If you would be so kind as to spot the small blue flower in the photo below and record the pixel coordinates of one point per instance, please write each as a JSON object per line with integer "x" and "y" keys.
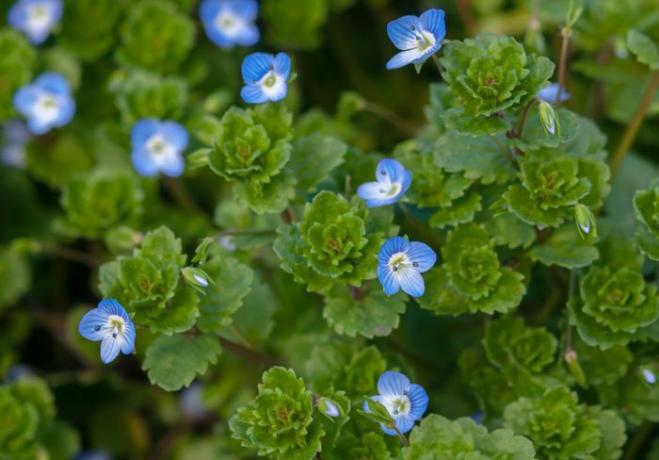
{"x": 266, "y": 77}
{"x": 418, "y": 38}
{"x": 35, "y": 18}
{"x": 392, "y": 181}
{"x": 109, "y": 324}
{"x": 401, "y": 263}
{"x": 548, "y": 94}
{"x": 46, "y": 103}
{"x": 406, "y": 402}
{"x": 158, "y": 147}
{"x": 15, "y": 138}
{"x": 230, "y": 22}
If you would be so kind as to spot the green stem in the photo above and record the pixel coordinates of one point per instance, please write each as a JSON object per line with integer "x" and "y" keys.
{"x": 633, "y": 127}
{"x": 438, "y": 64}
{"x": 565, "y": 33}
{"x": 521, "y": 123}
{"x": 247, "y": 231}
{"x": 402, "y": 125}
{"x": 180, "y": 194}
{"x": 401, "y": 436}
{"x": 637, "y": 441}
{"x": 70, "y": 254}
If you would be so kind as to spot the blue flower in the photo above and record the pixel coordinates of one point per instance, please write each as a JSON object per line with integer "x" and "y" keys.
{"x": 418, "y": 38}
{"x": 35, "y": 18}
{"x": 15, "y": 137}
{"x": 266, "y": 77}
{"x": 46, "y": 103}
{"x": 406, "y": 402}
{"x": 392, "y": 181}
{"x": 158, "y": 147}
{"x": 548, "y": 94}
{"x": 109, "y": 324}
{"x": 401, "y": 263}
{"x": 230, "y": 22}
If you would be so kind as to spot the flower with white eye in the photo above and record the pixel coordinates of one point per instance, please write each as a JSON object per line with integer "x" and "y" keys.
{"x": 549, "y": 93}
{"x": 109, "y": 324}
{"x": 158, "y": 147}
{"x": 401, "y": 263}
{"x": 46, "y": 103}
{"x": 418, "y": 38}
{"x": 35, "y": 18}
{"x": 391, "y": 182}
{"x": 230, "y": 22}
{"x": 266, "y": 77}
{"x": 406, "y": 402}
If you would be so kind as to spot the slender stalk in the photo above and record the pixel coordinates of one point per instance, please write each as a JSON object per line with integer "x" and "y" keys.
{"x": 521, "y": 123}
{"x": 402, "y": 125}
{"x": 70, "y": 254}
{"x": 247, "y": 231}
{"x": 401, "y": 436}
{"x": 565, "y": 33}
{"x": 249, "y": 354}
{"x": 180, "y": 194}
{"x": 503, "y": 149}
{"x": 438, "y": 64}
{"x": 467, "y": 16}
{"x": 633, "y": 127}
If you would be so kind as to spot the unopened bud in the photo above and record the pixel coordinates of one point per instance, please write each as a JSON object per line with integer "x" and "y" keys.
{"x": 585, "y": 221}
{"x": 648, "y": 376}
{"x": 196, "y": 277}
{"x": 548, "y": 118}
{"x": 575, "y": 368}
{"x": 574, "y": 11}
{"x": 328, "y": 407}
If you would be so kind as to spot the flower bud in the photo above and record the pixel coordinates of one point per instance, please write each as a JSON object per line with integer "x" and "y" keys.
{"x": 648, "y": 374}
{"x": 328, "y": 407}
{"x": 196, "y": 277}
{"x": 585, "y": 220}
{"x": 575, "y": 368}
{"x": 548, "y": 118}
{"x": 574, "y": 11}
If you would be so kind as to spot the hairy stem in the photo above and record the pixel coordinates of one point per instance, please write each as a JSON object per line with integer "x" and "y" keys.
{"x": 401, "y": 436}
{"x": 565, "y": 33}
{"x": 633, "y": 127}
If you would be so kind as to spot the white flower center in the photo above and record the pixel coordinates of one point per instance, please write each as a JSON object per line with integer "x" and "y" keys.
{"x": 399, "y": 262}
{"x": 397, "y": 405}
{"x": 229, "y": 23}
{"x": 272, "y": 84}
{"x": 424, "y": 40}
{"x": 161, "y": 150}
{"x": 46, "y": 107}
{"x": 114, "y": 326}
{"x": 390, "y": 189}
{"x": 38, "y": 17}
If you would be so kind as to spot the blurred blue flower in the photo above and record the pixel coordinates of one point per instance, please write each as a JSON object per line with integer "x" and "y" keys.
{"x": 94, "y": 455}
{"x": 158, "y": 147}
{"x": 230, "y": 22}
{"x": 15, "y": 137}
{"x": 418, "y": 38}
{"x": 548, "y": 94}
{"x": 266, "y": 77}
{"x": 406, "y": 402}
{"x": 392, "y": 181}
{"x": 401, "y": 263}
{"x": 35, "y": 18}
{"x": 46, "y": 103}
{"x": 109, "y": 324}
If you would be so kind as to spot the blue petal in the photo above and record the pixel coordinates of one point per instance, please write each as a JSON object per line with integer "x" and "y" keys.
{"x": 128, "y": 345}
{"x": 389, "y": 431}
{"x": 548, "y": 94}
{"x": 391, "y": 247}
{"x": 110, "y": 347}
{"x": 253, "y": 94}
{"x": 175, "y": 134}
{"x": 25, "y": 98}
{"x": 67, "y": 111}
{"x": 113, "y": 307}
{"x": 418, "y": 401}
{"x": 404, "y": 423}
{"x": 93, "y": 319}
{"x": 407, "y": 181}
{"x": 376, "y": 398}
{"x": 53, "y": 83}
{"x": 37, "y": 126}
{"x": 433, "y": 21}
{"x": 389, "y": 170}
{"x": 248, "y": 36}
{"x": 256, "y": 65}
{"x": 389, "y": 282}
{"x": 402, "y": 32}
{"x": 142, "y": 131}
{"x": 411, "y": 282}
{"x": 174, "y": 167}
{"x": 283, "y": 65}
{"x": 370, "y": 192}
{"x": 393, "y": 383}
{"x": 208, "y": 10}
{"x": 423, "y": 255}
{"x": 247, "y": 9}
{"x": 404, "y": 58}
{"x": 143, "y": 163}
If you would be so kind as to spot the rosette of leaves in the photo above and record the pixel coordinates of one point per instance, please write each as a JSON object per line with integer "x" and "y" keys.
{"x": 251, "y": 149}
{"x": 471, "y": 279}
{"x": 279, "y": 422}
{"x": 88, "y": 43}
{"x": 552, "y": 183}
{"x": 97, "y": 202}
{"x": 561, "y": 428}
{"x": 490, "y": 73}
{"x": 148, "y": 284}
{"x": 17, "y": 60}
{"x": 28, "y": 428}
{"x": 444, "y": 439}
{"x": 156, "y": 36}
{"x": 140, "y": 94}
{"x": 646, "y": 207}
{"x": 337, "y": 243}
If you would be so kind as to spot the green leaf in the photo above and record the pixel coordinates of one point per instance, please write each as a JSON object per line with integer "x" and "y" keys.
{"x": 313, "y": 158}
{"x": 173, "y": 362}
{"x": 565, "y": 248}
{"x": 364, "y": 311}
{"x": 645, "y": 50}
{"x": 507, "y": 230}
{"x": 17, "y": 61}
{"x": 456, "y": 119}
{"x": 60, "y": 440}
{"x": 15, "y": 276}
{"x": 461, "y": 211}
